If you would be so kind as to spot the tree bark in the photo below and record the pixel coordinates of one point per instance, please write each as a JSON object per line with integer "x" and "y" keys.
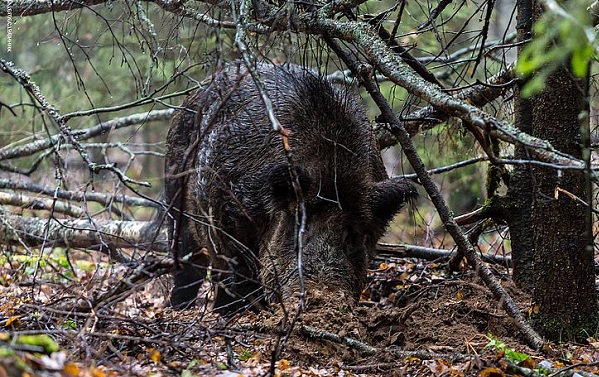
{"x": 520, "y": 194}
{"x": 564, "y": 285}
{"x": 548, "y": 229}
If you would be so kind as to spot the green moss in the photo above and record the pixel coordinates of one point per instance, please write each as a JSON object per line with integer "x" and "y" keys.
{"x": 558, "y": 329}
{"x": 42, "y": 340}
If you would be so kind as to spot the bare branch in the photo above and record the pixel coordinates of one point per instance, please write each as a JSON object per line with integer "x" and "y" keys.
{"x": 429, "y": 117}
{"x": 28, "y": 202}
{"x": 414, "y": 251}
{"x": 445, "y": 169}
{"x": 99, "y": 129}
{"x": 368, "y": 350}
{"x": 464, "y": 245}
{"x": 33, "y": 7}
{"x": 82, "y": 233}
{"x": 104, "y": 199}
{"x": 392, "y": 66}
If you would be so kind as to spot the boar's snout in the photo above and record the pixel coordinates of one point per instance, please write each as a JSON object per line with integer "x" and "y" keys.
{"x": 337, "y": 241}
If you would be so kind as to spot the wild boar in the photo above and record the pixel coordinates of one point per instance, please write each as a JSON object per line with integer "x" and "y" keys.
{"x": 236, "y": 197}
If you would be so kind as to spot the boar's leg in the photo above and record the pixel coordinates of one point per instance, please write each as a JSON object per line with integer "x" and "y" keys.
{"x": 259, "y": 198}
{"x": 189, "y": 276}
{"x": 237, "y": 290}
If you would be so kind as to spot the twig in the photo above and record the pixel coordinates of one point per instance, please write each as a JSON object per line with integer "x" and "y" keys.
{"x": 392, "y": 66}
{"x": 363, "y": 348}
{"x": 435, "y": 13}
{"x": 411, "y": 61}
{"x": 484, "y": 33}
{"x": 145, "y": 270}
{"x": 562, "y": 372}
{"x": 31, "y": 8}
{"x": 445, "y": 169}
{"x": 454, "y": 56}
{"x": 428, "y": 117}
{"x": 301, "y": 215}
{"x": 569, "y": 370}
{"x": 24, "y": 79}
{"x": 368, "y": 350}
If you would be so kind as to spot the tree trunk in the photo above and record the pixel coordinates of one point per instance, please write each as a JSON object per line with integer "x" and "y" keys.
{"x": 521, "y": 233}
{"x": 549, "y": 234}
{"x": 564, "y": 285}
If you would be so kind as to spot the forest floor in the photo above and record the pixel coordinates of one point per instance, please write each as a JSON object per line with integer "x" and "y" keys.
{"x": 412, "y": 320}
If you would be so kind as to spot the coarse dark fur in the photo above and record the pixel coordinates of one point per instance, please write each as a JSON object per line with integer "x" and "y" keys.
{"x": 233, "y": 206}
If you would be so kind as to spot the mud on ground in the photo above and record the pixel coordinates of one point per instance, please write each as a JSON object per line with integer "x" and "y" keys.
{"x": 411, "y": 319}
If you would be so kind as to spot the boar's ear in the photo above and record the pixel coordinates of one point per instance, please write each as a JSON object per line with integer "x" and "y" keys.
{"x": 279, "y": 183}
{"x": 386, "y": 198}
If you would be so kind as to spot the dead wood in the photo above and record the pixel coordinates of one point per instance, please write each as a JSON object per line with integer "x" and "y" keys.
{"x": 83, "y": 233}
{"x": 17, "y": 199}
{"x": 414, "y": 251}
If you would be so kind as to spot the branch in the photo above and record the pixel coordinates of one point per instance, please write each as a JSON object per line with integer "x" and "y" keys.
{"x": 143, "y": 271}
{"x": 99, "y": 129}
{"x": 364, "y": 349}
{"x": 392, "y": 66}
{"x": 464, "y": 246}
{"x": 413, "y": 251}
{"x": 33, "y": 231}
{"x": 104, "y": 199}
{"x": 428, "y": 117}
{"x": 28, "y": 202}
{"x": 24, "y": 79}
{"x": 32, "y": 7}
{"x": 435, "y": 13}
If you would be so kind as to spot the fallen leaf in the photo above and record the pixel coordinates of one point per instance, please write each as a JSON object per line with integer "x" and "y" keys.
{"x": 491, "y": 372}
{"x": 528, "y": 363}
{"x": 154, "y": 355}
{"x": 97, "y": 372}
{"x": 71, "y": 369}
{"x": 14, "y": 318}
{"x": 284, "y": 364}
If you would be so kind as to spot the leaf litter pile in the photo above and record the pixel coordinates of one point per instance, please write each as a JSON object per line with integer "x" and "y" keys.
{"x": 413, "y": 319}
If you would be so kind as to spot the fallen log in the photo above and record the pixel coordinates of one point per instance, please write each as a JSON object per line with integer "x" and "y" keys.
{"x": 82, "y": 233}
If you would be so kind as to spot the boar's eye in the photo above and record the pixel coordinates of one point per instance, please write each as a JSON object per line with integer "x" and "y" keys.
{"x": 270, "y": 189}
{"x": 279, "y": 182}
{"x": 386, "y": 198}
